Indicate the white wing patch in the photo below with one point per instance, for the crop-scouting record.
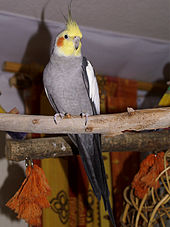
(50, 99)
(93, 87)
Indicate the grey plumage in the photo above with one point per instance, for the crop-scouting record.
(64, 83)
(67, 87)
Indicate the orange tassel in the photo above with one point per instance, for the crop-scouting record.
(150, 169)
(31, 198)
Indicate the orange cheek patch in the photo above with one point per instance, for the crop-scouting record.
(60, 42)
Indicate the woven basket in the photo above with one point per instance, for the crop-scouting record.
(154, 207)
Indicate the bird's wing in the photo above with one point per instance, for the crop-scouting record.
(90, 145)
(51, 100)
(91, 85)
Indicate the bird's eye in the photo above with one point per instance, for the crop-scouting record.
(66, 36)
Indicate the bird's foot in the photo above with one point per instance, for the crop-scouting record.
(67, 115)
(62, 116)
(86, 115)
(130, 111)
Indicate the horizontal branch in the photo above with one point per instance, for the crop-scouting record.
(114, 124)
(154, 141)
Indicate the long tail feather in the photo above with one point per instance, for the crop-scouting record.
(90, 152)
(109, 209)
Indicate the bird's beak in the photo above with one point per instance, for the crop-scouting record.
(76, 41)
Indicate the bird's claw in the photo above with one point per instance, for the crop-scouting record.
(86, 115)
(61, 115)
(67, 115)
(130, 110)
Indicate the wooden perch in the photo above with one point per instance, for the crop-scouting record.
(114, 124)
(60, 146)
(24, 68)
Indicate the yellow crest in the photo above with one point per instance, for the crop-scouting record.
(73, 29)
(71, 26)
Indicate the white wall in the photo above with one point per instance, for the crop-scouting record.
(134, 57)
(11, 177)
(11, 174)
(148, 18)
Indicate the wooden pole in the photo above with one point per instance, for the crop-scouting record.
(58, 146)
(115, 124)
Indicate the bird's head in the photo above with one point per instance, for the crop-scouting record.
(68, 42)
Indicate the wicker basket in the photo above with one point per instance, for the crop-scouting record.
(154, 207)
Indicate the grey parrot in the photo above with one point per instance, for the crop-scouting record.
(71, 87)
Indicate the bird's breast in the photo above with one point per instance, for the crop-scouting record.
(68, 90)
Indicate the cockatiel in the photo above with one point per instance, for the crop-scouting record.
(71, 87)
